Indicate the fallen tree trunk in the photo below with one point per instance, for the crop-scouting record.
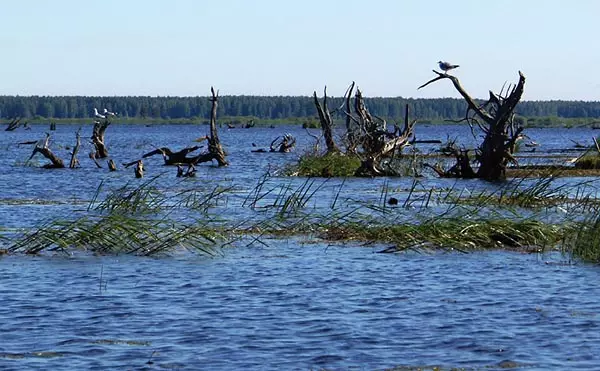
(13, 124)
(174, 158)
(43, 148)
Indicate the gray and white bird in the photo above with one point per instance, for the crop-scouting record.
(96, 114)
(108, 113)
(445, 66)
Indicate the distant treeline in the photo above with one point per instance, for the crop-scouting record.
(263, 107)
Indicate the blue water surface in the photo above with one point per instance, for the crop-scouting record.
(294, 303)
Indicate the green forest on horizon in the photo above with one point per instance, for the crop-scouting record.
(267, 107)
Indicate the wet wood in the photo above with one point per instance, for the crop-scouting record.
(74, 161)
(326, 122)
(174, 158)
(495, 118)
(97, 138)
(43, 148)
(139, 169)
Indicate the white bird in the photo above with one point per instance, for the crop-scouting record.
(108, 113)
(96, 114)
(445, 66)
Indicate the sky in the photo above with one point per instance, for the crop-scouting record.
(287, 47)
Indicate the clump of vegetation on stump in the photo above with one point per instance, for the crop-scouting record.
(369, 146)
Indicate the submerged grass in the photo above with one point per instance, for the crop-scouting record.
(145, 221)
(329, 165)
(583, 242)
(130, 220)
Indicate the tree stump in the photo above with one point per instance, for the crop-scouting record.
(495, 118)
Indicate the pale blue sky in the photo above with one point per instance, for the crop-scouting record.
(281, 47)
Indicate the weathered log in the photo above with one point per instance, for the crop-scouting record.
(139, 169)
(326, 122)
(74, 161)
(43, 148)
(283, 144)
(215, 150)
(191, 171)
(98, 138)
(496, 119)
(174, 158)
(13, 124)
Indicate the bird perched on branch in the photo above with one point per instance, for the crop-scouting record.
(108, 113)
(96, 114)
(445, 66)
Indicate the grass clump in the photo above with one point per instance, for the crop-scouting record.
(136, 221)
(584, 241)
(456, 233)
(329, 165)
(588, 161)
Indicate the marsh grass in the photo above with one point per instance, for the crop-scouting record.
(130, 220)
(456, 233)
(536, 193)
(583, 241)
(329, 165)
(590, 160)
(142, 220)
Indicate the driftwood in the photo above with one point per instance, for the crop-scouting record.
(74, 161)
(42, 147)
(366, 135)
(374, 141)
(139, 169)
(495, 118)
(282, 144)
(174, 158)
(215, 150)
(98, 139)
(326, 122)
(190, 172)
(13, 124)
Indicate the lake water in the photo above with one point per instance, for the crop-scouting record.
(280, 304)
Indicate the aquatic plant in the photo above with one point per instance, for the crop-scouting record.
(333, 164)
(128, 220)
(583, 241)
(588, 161)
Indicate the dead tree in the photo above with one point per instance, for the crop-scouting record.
(13, 124)
(139, 169)
(42, 146)
(283, 144)
(174, 158)
(111, 165)
(376, 142)
(74, 161)
(495, 118)
(215, 150)
(326, 122)
(366, 136)
(97, 138)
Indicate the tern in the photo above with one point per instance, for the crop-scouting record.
(96, 114)
(445, 66)
(108, 113)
